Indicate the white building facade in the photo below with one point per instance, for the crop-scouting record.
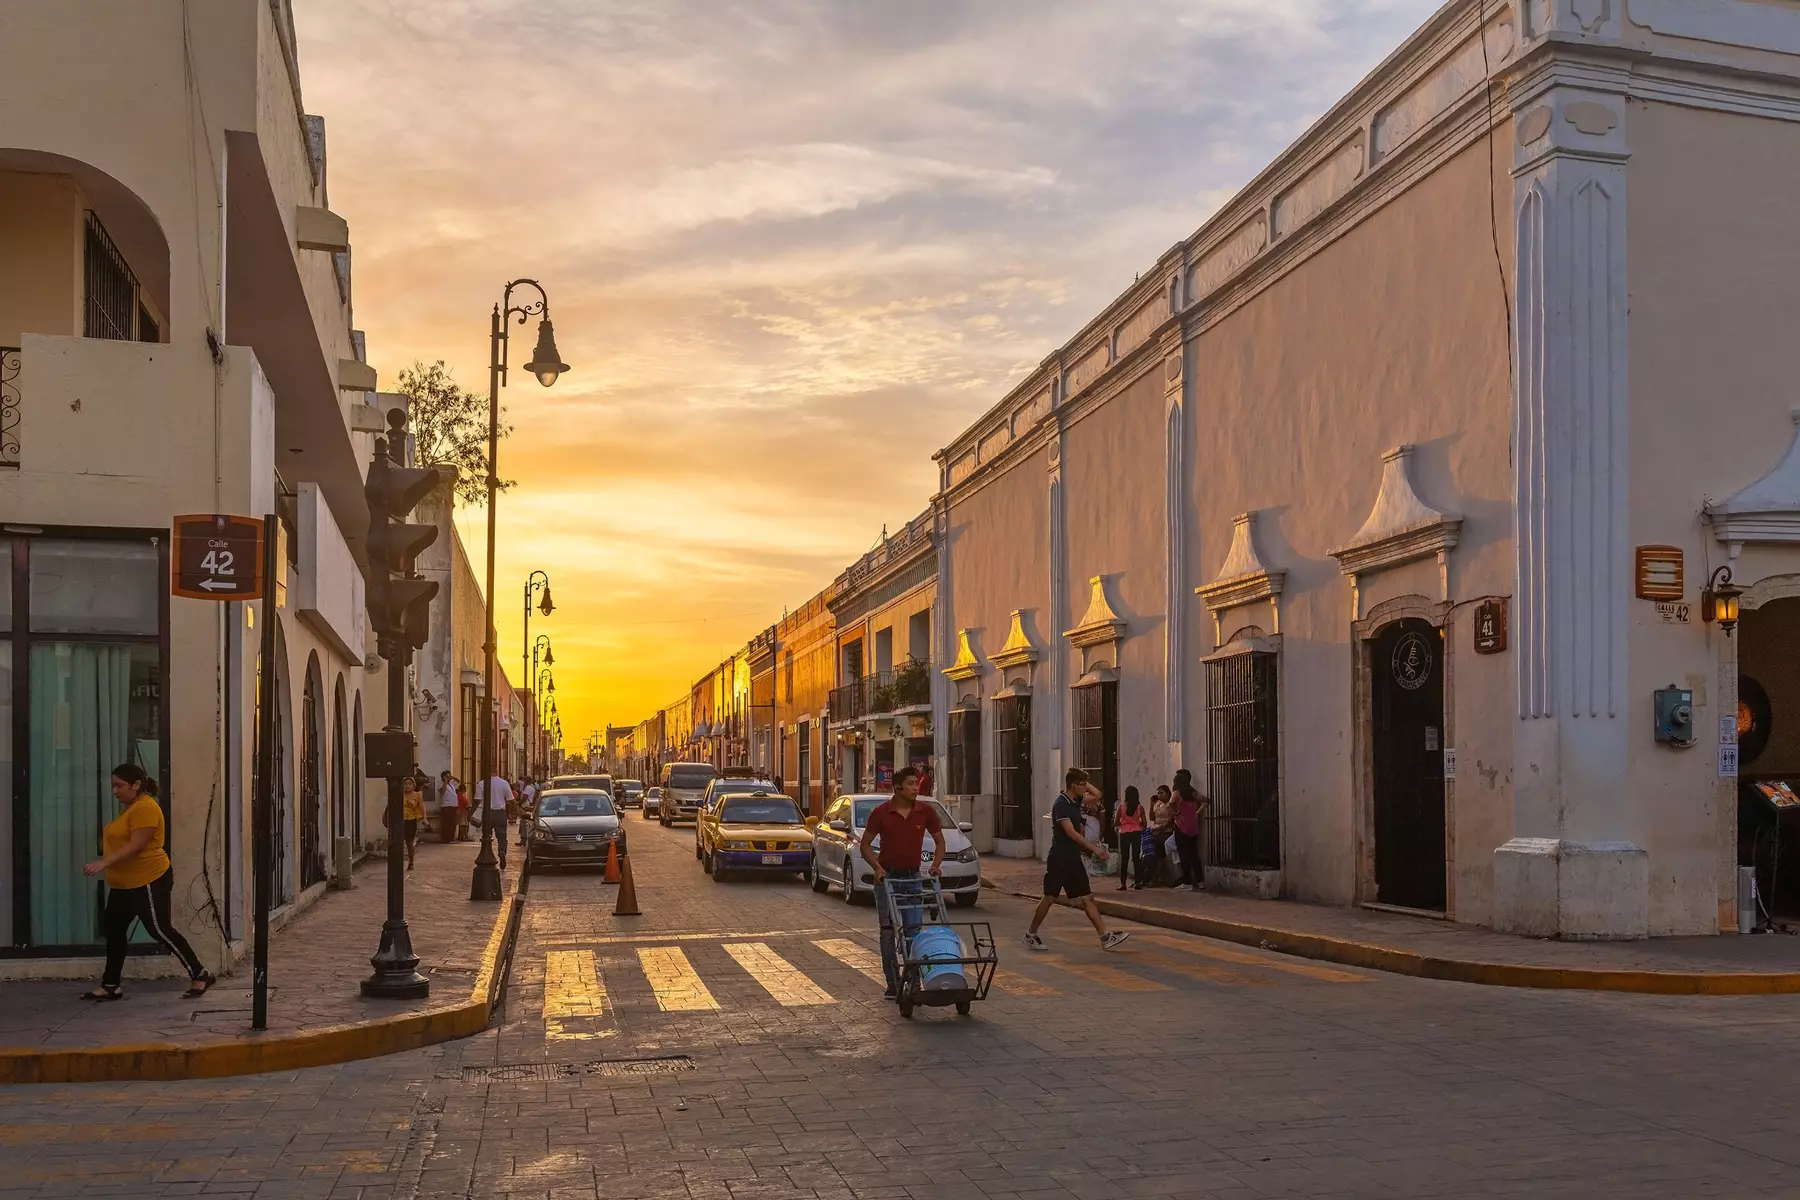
(1384, 502)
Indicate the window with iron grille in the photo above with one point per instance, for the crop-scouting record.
(470, 730)
(147, 328)
(965, 752)
(1243, 827)
(1012, 766)
(1097, 742)
(112, 290)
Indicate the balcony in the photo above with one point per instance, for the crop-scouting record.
(884, 693)
(9, 406)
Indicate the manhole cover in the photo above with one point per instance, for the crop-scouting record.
(618, 1067)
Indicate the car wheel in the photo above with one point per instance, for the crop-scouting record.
(962, 1008)
(968, 901)
(815, 879)
(849, 885)
(717, 868)
(698, 857)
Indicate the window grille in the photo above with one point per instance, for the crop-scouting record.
(1097, 742)
(965, 752)
(1012, 766)
(112, 290)
(1243, 827)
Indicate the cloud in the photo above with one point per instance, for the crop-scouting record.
(793, 247)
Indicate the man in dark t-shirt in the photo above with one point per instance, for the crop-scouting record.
(1063, 870)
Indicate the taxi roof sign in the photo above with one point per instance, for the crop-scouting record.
(217, 557)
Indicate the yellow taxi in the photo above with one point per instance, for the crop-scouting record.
(751, 828)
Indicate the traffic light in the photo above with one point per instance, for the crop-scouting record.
(398, 601)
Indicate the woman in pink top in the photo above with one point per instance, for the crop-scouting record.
(1189, 804)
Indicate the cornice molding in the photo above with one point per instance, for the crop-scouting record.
(1100, 624)
(1401, 528)
(1019, 650)
(967, 665)
(1245, 578)
(1765, 511)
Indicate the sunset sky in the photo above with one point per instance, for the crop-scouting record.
(792, 247)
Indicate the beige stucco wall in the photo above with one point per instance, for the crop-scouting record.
(1715, 281)
(40, 227)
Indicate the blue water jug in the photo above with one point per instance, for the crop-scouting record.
(933, 945)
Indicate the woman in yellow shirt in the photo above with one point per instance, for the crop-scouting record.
(139, 882)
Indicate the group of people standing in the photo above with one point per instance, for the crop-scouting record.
(1146, 834)
(499, 804)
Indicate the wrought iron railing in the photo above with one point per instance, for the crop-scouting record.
(883, 692)
(1243, 827)
(9, 406)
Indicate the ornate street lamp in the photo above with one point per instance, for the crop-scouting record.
(1719, 601)
(546, 364)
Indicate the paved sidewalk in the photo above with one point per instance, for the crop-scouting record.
(1727, 964)
(316, 1011)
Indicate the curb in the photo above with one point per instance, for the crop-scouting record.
(1425, 966)
(313, 1048)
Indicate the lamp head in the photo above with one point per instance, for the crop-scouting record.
(544, 605)
(545, 362)
(549, 656)
(1720, 601)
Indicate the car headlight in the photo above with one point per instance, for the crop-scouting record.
(543, 835)
(737, 845)
(966, 854)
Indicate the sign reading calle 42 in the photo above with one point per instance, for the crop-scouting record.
(217, 557)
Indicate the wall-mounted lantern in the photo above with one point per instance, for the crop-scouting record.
(1719, 602)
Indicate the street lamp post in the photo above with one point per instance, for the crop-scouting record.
(537, 725)
(527, 663)
(546, 364)
(544, 698)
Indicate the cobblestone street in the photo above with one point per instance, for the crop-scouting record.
(732, 1043)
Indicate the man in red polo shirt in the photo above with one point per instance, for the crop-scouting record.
(901, 825)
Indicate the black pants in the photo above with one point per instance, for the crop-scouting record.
(1131, 847)
(1188, 846)
(149, 904)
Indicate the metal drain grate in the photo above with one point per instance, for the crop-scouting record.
(672, 1064)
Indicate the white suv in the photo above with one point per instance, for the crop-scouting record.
(837, 855)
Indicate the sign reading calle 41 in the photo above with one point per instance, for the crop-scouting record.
(217, 557)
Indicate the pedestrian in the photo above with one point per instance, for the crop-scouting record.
(1189, 804)
(463, 807)
(140, 881)
(1160, 829)
(446, 798)
(1129, 821)
(900, 823)
(527, 806)
(495, 799)
(412, 813)
(1063, 872)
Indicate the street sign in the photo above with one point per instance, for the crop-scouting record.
(217, 557)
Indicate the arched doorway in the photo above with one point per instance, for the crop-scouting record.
(312, 777)
(340, 765)
(356, 773)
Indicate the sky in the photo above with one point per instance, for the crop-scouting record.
(792, 248)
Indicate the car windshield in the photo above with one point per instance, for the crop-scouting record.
(693, 777)
(739, 787)
(760, 810)
(632, 787)
(583, 781)
(867, 806)
(575, 804)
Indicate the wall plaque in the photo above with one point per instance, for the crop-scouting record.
(1490, 627)
(1661, 573)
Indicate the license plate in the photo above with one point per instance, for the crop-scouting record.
(771, 860)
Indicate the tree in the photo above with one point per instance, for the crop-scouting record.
(450, 426)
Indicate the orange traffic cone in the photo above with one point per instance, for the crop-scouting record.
(612, 862)
(627, 905)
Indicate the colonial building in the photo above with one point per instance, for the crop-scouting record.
(881, 711)
(801, 681)
(175, 337)
(1385, 501)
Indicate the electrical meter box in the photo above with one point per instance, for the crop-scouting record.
(1674, 715)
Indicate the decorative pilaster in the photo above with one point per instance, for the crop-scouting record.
(1174, 539)
(1571, 870)
(1059, 615)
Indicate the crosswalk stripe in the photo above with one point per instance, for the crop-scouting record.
(1112, 977)
(854, 956)
(1204, 974)
(573, 991)
(672, 978)
(778, 977)
(1022, 985)
(1247, 959)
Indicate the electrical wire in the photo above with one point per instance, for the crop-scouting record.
(1487, 77)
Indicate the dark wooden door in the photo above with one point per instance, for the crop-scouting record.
(1012, 766)
(1406, 670)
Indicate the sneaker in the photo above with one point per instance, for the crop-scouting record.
(1034, 942)
(891, 993)
(1115, 939)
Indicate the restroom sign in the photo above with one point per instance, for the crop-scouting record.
(216, 557)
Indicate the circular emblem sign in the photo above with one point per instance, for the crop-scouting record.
(1412, 661)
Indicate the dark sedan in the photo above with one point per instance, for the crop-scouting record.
(575, 827)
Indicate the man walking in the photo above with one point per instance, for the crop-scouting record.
(1063, 872)
(493, 798)
(900, 823)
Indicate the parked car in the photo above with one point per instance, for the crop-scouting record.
(716, 792)
(574, 826)
(837, 856)
(602, 782)
(652, 805)
(683, 785)
(760, 831)
(630, 792)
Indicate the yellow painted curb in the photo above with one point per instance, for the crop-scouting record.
(255, 1054)
(1425, 966)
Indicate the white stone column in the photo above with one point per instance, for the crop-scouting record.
(1174, 534)
(1050, 701)
(1574, 868)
